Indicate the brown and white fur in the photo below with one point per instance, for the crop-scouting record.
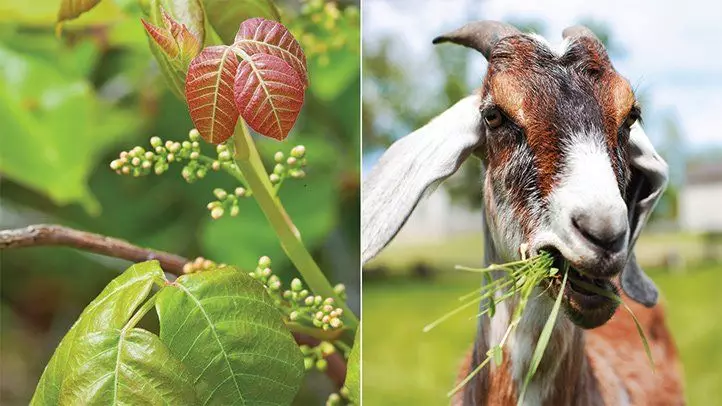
(568, 169)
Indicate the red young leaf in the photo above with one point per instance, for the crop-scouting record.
(162, 37)
(269, 94)
(209, 93)
(258, 35)
(175, 39)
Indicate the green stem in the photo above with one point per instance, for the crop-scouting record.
(251, 166)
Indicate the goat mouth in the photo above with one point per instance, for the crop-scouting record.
(588, 301)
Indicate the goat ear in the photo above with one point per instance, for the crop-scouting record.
(411, 167)
(649, 179)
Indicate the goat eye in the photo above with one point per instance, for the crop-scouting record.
(631, 118)
(493, 118)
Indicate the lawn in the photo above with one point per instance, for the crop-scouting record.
(403, 366)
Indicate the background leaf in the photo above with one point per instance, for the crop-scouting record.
(132, 367)
(110, 310)
(257, 35)
(353, 370)
(227, 331)
(42, 148)
(269, 94)
(209, 93)
(70, 9)
(226, 15)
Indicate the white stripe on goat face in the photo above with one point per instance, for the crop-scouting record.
(587, 216)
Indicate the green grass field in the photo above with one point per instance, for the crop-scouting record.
(403, 366)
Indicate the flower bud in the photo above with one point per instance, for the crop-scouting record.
(217, 213)
(321, 364)
(171, 157)
(278, 157)
(308, 301)
(216, 166)
(291, 161)
(308, 363)
(234, 211)
(155, 142)
(135, 161)
(115, 164)
(293, 316)
(220, 193)
(194, 135)
(224, 155)
(264, 262)
(195, 155)
(296, 285)
(279, 169)
(274, 178)
(186, 144)
(299, 151)
(201, 173)
(240, 192)
(335, 323)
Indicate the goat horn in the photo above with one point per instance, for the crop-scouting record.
(479, 35)
(578, 31)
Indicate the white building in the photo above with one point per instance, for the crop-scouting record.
(701, 198)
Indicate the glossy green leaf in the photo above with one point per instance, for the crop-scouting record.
(224, 327)
(126, 367)
(227, 15)
(110, 310)
(353, 370)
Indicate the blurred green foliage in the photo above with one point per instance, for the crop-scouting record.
(69, 104)
(404, 366)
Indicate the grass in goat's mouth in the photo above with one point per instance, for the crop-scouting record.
(519, 279)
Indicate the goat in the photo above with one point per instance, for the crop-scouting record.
(568, 169)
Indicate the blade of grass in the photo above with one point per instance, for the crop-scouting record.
(543, 341)
(612, 296)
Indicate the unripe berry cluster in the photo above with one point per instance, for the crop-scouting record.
(315, 357)
(324, 27)
(139, 161)
(289, 167)
(339, 399)
(227, 202)
(201, 264)
(299, 305)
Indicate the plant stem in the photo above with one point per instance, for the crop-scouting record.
(250, 164)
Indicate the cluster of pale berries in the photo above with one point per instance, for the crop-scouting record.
(325, 27)
(227, 202)
(315, 357)
(289, 167)
(201, 264)
(298, 303)
(140, 162)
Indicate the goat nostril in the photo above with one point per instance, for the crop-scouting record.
(604, 233)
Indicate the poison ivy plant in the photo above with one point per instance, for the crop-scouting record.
(221, 341)
(224, 336)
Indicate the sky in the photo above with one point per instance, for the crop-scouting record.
(672, 51)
